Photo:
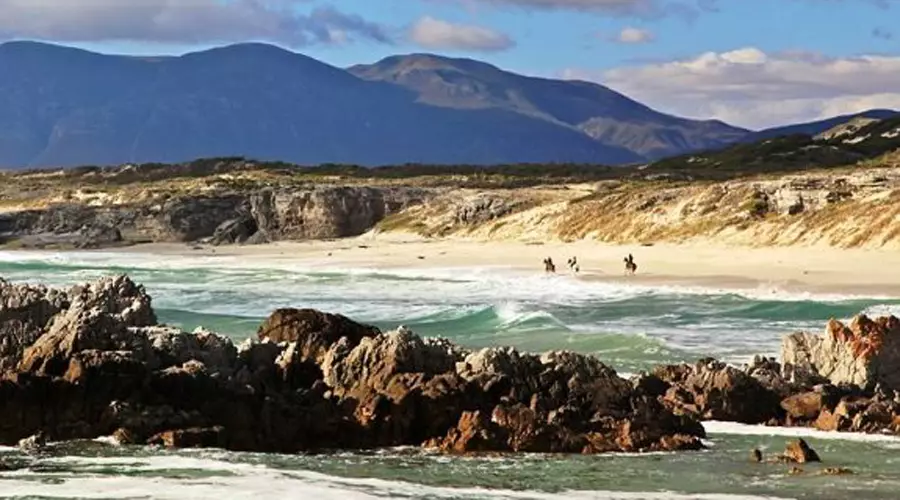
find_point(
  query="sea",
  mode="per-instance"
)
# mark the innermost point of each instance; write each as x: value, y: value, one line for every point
x: 629, y: 326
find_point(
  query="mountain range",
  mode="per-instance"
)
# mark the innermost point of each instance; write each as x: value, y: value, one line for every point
x: 61, y: 106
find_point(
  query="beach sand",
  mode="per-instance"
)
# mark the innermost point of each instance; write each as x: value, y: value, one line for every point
x: 821, y: 270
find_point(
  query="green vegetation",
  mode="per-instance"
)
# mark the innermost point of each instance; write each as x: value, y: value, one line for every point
x: 768, y: 157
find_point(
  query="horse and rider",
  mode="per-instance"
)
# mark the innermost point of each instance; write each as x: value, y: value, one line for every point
x: 630, y: 266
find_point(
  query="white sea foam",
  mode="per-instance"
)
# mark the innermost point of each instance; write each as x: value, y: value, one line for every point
x: 566, y: 288
x: 244, y: 481
x: 731, y: 428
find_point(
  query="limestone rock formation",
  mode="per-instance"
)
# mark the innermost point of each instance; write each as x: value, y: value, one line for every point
x: 225, y: 217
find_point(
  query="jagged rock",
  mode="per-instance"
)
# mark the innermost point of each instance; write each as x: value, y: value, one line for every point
x: 314, y: 331
x: 805, y: 406
x: 865, y: 353
x: 237, y: 230
x: 800, y: 452
x: 34, y: 442
x: 99, y: 236
x: 175, y: 347
x: 25, y: 311
x: 98, y: 317
x: 483, y: 208
x: 103, y: 366
x: 712, y: 390
x: 323, y: 212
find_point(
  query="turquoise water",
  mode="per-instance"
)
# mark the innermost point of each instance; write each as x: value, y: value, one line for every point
x: 629, y: 327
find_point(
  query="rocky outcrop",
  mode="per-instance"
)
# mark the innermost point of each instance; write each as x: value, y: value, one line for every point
x: 483, y: 208
x: 713, y: 390
x: 865, y: 353
x: 25, y: 311
x: 96, y: 363
x: 252, y: 216
x: 764, y: 393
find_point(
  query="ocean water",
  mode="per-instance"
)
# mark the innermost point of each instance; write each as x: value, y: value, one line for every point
x: 630, y: 327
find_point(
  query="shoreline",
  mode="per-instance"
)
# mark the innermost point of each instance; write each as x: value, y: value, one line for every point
x: 814, y: 270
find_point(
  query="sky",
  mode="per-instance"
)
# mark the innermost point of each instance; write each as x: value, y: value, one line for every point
x: 751, y: 63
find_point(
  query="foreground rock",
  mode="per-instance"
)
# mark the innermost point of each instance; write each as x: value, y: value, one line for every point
x: 844, y: 380
x: 92, y: 361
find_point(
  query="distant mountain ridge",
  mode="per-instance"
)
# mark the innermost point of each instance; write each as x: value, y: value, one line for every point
x: 819, y: 126
x: 61, y: 106
x: 597, y: 111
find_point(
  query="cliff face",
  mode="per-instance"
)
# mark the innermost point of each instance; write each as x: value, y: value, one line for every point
x: 255, y: 216
x: 847, y: 208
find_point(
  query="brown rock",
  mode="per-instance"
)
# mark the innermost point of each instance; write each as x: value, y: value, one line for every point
x: 863, y: 353
x: 799, y: 451
x: 213, y: 437
x: 711, y: 390
x: 804, y: 406
x: 314, y: 331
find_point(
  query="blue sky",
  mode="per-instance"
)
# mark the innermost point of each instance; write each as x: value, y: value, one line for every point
x: 750, y: 62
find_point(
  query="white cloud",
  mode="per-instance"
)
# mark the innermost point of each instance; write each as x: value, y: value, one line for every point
x: 751, y: 88
x: 688, y: 9
x: 181, y: 21
x: 437, y: 34
x: 634, y: 36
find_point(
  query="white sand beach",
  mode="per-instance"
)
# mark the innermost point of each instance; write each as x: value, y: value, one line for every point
x: 795, y: 269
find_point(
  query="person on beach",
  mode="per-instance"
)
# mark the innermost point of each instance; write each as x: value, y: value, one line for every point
x: 630, y: 266
x: 548, y: 265
x: 573, y: 264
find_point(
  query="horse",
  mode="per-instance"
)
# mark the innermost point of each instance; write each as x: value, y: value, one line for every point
x: 630, y: 266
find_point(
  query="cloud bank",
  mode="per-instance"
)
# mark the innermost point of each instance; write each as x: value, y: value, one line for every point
x: 434, y: 33
x: 182, y: 21
x: 751, y: 88
x: 634, y: 36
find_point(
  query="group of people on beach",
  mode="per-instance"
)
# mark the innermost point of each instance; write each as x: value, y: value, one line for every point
x: 572, y: 263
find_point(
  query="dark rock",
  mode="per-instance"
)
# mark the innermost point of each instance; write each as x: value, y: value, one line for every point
x: 237, y: 230
x: 711, y: 390
x: 213, y: 437
x: 99, y: 236
x: 799, y: 451
x: 314, y: 331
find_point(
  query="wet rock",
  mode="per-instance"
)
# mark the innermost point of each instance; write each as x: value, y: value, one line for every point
x: 213, y: 437
x: 34, y: 442
x: 836, y: 471
x: 800, y: 452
